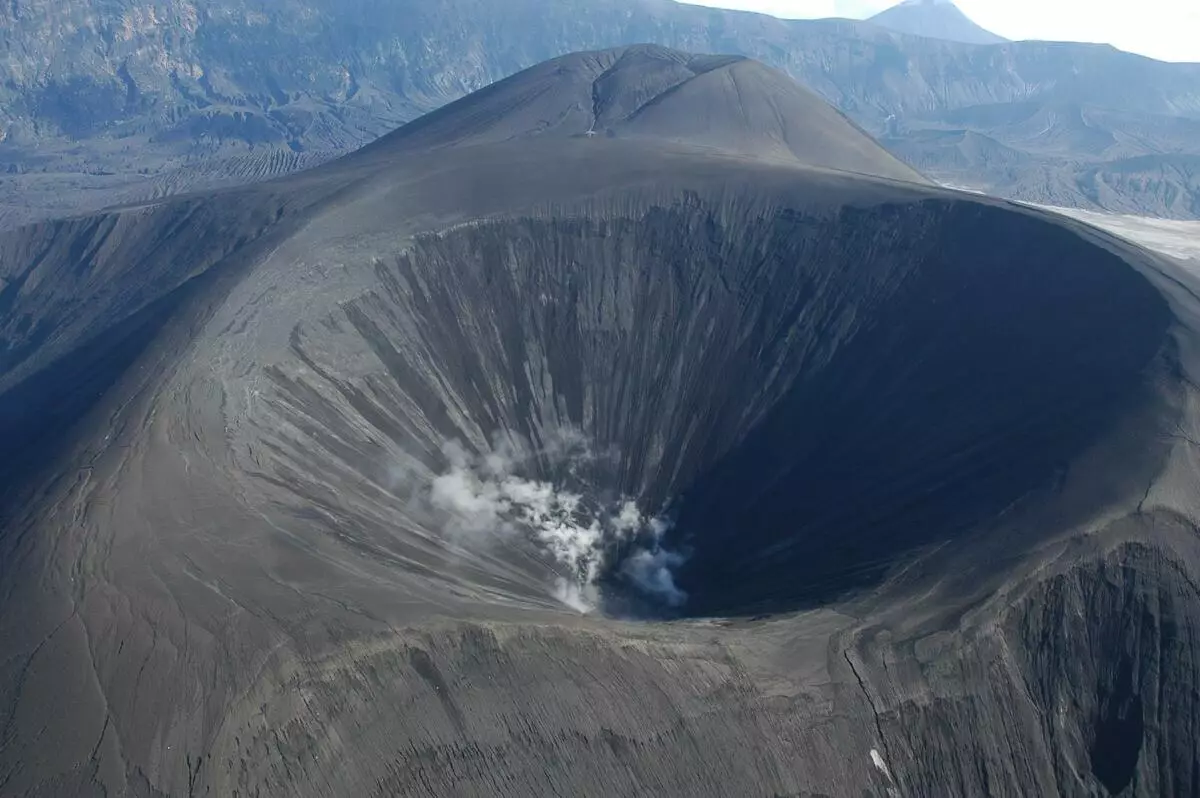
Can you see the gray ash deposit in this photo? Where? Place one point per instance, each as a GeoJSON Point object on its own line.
{"type": "Point", "coordinates": [634, 426]}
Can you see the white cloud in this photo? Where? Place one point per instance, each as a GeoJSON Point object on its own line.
{"type": "Point", "coordinates": [1165, 29]}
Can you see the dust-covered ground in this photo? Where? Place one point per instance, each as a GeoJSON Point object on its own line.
{"type": "Point", "coordinates": [593, 437]}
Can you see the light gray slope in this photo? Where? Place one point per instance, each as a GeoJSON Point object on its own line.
{"type": "Point", "coordinates": [935, 19]}
{"type": "Point", "coordinates": [1179, 240]}
{"type": "Point", "coordinates": [725, 103]}
{"type": "Point", "coordinates": [103, 106]}
{"type": "Point", "coordinates": [945, 440]}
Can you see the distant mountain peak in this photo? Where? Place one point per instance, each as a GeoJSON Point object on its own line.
{"type": "Point", "coordinates": [934, 19]}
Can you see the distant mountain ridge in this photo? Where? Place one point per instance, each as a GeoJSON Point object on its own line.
{"type": "Point", "coordinates": [935, 19]}
{"type": "Point", "coordinates": [142, 98]}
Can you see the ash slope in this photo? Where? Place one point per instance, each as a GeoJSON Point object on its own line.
{"type": "Point", "coordinates": [946, 442]}
{"type": "Point", "coordinates": [727, 103]}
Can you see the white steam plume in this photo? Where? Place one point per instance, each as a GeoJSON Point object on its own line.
{"type": "Point", "coordinates": [486, 494]}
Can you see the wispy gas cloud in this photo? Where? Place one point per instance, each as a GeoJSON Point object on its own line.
{"type": "Point", "coordinates": [491, 494]}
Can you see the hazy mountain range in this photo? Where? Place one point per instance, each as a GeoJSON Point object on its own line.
{"type": "Point", "coordinates": [138, 98]}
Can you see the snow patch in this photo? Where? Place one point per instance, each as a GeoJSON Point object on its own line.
{"type": "Point", "coordinates": [880, 765]}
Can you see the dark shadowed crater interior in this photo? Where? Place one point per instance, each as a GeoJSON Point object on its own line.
{"type": "Point", "coordinates": [808, 396]}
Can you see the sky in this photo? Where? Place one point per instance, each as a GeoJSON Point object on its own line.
{"type": "Point", "coordinates": [1165, 29]}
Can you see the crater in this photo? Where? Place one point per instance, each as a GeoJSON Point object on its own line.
{"type": "Point", "coordinates": [805, 398]}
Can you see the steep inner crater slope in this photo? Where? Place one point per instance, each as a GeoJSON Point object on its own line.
{"type": "Point", "coordinates": [781, 404]}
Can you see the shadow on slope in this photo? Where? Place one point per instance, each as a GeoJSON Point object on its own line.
{"type": "Point", "coordinates": [810, 397]}
{"type": "Point", "coordinates": [1009, 348]}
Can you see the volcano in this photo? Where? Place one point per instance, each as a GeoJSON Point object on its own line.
{"type": "Point", "coordinates": [635, 425]}
{"type": "Point", "coordinates": [935, 19]}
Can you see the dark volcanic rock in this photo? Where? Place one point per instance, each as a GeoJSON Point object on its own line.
{"type": "Point", "coordinates": [311, 481]}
